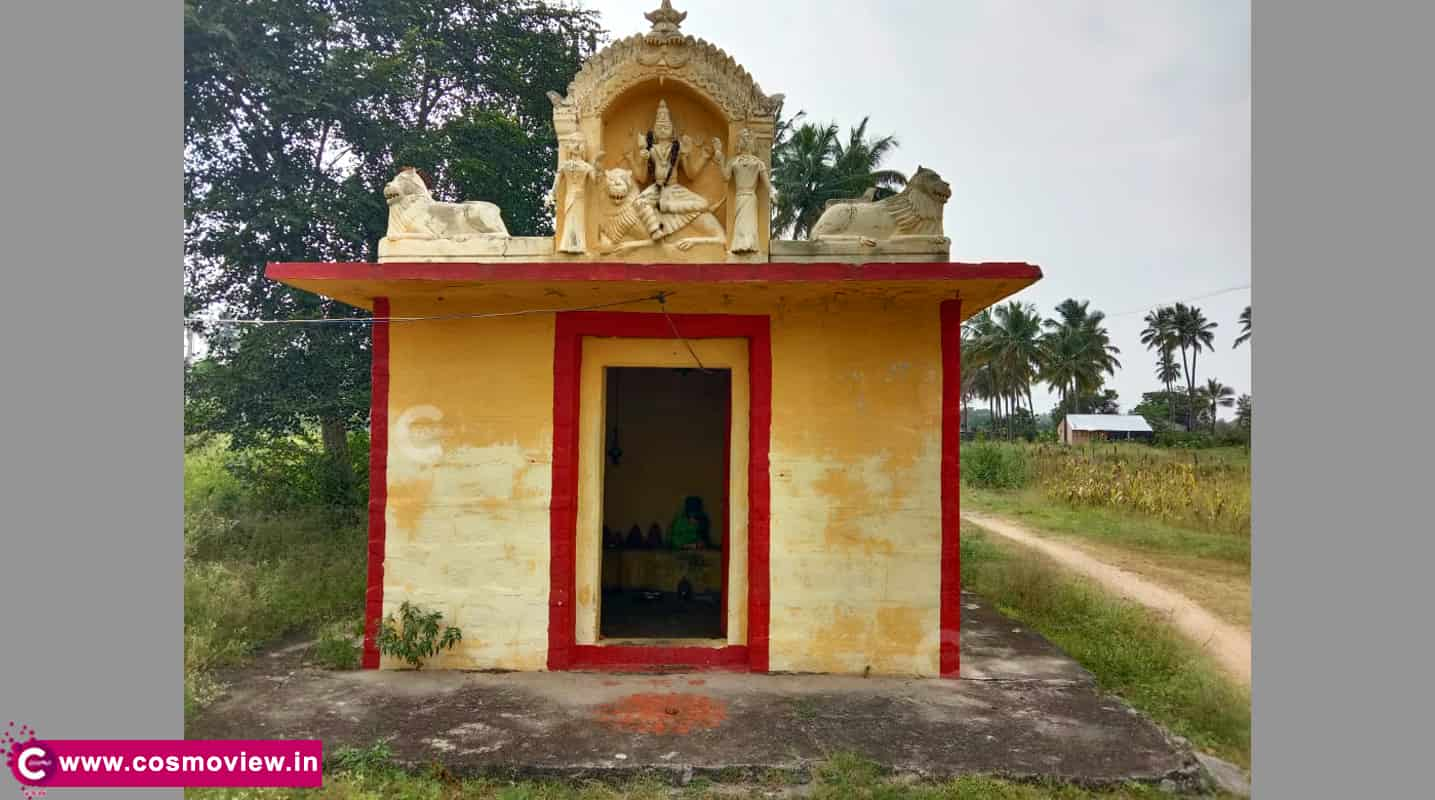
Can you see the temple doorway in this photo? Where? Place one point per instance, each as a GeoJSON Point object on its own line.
{"type": "Point", "coordinates": [665, 503]}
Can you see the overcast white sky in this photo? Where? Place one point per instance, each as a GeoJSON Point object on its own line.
{"type": "Point", "coordinates": [1108, 142]}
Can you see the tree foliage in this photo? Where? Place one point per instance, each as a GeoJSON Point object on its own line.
{"type": "Point", "coordinates": [1165, 411]}
{"type": "Point", "coordinates": [296, 113]}
{"type": "Point", "coordinates": [1002, 352]}
{"type": "Point", "coordinates": [1243, 412]}
{"type": "Point", "coordinates": [1008, 348]}
{"type": "Point", "coordinates": [1245, 322]}
{"type": "Point", "coordinates": [1077, 354]}
{"type": "Point", "coordinates": [811, 165]}
{"type": "Point", "coordinates": [1185, 329]}
{"type": "Point", "coordinates": [1213, 397]}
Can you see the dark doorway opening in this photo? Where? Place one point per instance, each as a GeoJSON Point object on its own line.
{"type": "Point", "coordinates": [665, 498]}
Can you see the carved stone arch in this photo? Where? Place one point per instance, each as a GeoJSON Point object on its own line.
{"type": "Point", "coordinates": [667, 85]}
{"type": "Point", "coordinates": [697, 63]}
{"type": "Point", "coordinates": [694, 111]}
{"type": "Point", "coordinates": [614, 98]}
{"type": "Point", "coordinates": [695, 115]}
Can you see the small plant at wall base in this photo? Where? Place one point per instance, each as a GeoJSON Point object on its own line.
{"type": "Point", "coordinates": [415, 636]}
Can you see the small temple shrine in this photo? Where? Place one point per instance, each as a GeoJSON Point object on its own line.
{"type": "Point", "coordinates": [659, 438]}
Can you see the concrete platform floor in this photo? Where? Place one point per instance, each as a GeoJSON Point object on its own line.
{"type": "Point", "coordinates": [1022, 710]}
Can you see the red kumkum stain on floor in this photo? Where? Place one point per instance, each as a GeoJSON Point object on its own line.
{"type": "Point", "coordinates": [664, 713]}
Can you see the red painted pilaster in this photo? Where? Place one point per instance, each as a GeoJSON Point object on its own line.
{"type": "Point", "coordinates": [563, 507]}
{"type": "Point", "coordinates": [759, 494]}
{"type": "Point", "coordinates": [951, 564]}
{"type": "Point", "coordinates": [378, 480]}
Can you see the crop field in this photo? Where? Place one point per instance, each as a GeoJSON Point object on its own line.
{"type": "Point", "coordinates": [1205, 490]}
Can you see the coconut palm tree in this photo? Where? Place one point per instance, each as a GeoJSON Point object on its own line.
{"type": "Point", "coordinates": [1245, 336]}
{"type": "Point", "coordinates": [1008, 341]}
{"type": "Point", "coordinates": [802, 177]}
{"type": "Point", "coordinates": [858, 163]}
{"type": "Point", "coordinates": [1160, 335]}
{"type": "Point", "coordinates": [1194, 333]}
{"type": "Point", "coordinates": [781, 134]}
{"type": "Point", "coordinates": [1005, 349]}
{"type": "Point", "coordinates": [969, 373]}
{"type": "Point", "coordinates": [976, 361]}
{"type": "Point", "coordinates": [782, 129]}
{"type": "Point", "coordinates": [1062, 366]}
{"type": "Point", "coordinates": [1076, 352]}
{"type": "Point", "coordinates": [984, 388]}
{"type": "Point", "coordinates": [1215, 395]}
{"type": "Point", "coordinates": [811, 165]}
{"type": "Point", "coordinates": [1160, 330]}
{"type": "Point", "coordinates": [1021, 343]}
{"type": "Point", "coordinates": [1168, 372]}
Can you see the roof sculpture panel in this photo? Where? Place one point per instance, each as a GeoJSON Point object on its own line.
{"type": "Point", "coordinates": [665, 156]}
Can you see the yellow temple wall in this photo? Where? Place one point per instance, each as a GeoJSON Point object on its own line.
{"type": "Point", "coordinates": [469, 478]}
{"type": "Point", "coordinates": [855, 483]}
{"type": "Point", "coordinates": [855, 464]}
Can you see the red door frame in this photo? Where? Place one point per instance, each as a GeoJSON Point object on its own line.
{"type": "Point", "coordinates": [563, 651]}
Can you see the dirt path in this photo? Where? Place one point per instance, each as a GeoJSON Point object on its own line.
{"type": "Point", "coordinates": [1230, 644]}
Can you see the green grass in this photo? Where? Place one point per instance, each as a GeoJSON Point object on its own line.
{"type": "Point", "coordinates": [338, 645]}
{"type": "Point", "coordinates": [1131, 651]}
{"type": "Point", "coordinates": [995, 466]}
{"type": "Point", "coordinates": [804, 708]}
{"type": "Point", "coordinates": [208, 484]}
{"type": "Point", "coordinates": [369, 774]}
{"type": "Point", "coordinates": [252, 579]}
{"type": "Point", "coordinates": [1120, 528]}
{"type": "Point", "coordinates": [252, 576]}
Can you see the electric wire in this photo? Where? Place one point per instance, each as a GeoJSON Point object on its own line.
{"type": "Point", "coordinates": [425, 318]}
{"type": "Point", "coordinates": [659, 297]}
{"type": "Point", "coordinates": [673, 325]}
{"type": "Point", "coordinates": [1216, 293]}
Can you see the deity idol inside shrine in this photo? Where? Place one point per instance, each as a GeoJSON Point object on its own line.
{"type": "Point", "coordinates": [659, 438]}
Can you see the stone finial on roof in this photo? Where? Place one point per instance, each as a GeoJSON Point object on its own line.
{"type": "Point", "coordinates": [667, 22]}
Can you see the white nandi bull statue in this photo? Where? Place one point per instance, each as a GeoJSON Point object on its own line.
{"type": "Point", "coordinates": [914, 211]}
{"type": "Point", "coordinates": [414, 214]}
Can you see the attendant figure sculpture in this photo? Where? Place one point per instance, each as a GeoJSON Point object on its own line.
{"type": "Point", "coordinates": [746, 171]}
{"type": "Point", "coordinates": [574, 173]}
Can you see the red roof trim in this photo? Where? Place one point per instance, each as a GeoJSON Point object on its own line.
{"type": "Point", "coordinates": [557, 271]}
